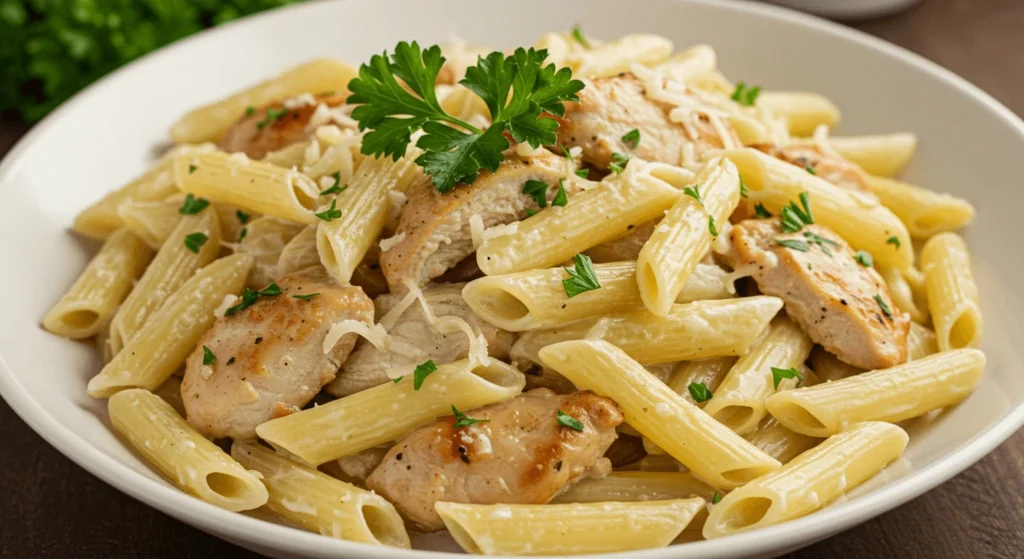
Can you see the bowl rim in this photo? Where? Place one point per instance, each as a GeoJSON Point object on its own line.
{"type": "Point", "coordinates": [247, 530]}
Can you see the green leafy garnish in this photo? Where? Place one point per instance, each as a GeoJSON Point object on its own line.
{"type": "Point", "coordinates": [814, 238]}
{"type": "Point", "coordinates": [582, 173]}
{"type": "Point", "coordinates": [397, 380]}
{"type": "Point", "coordinates": [421, 372]}
{"type": "Point", "coordinates": [761, 212]}
{"type": "Point", "coordinates": [249, 297]}
{"type": "Point", "coordinates": [193, 205]}
{"type": "Point", "coordinates": [271, 290]}
{"type": "Point", "coordinates": [243, 217]}
{"type": "Point", "coordinates": [716, 498]}
{"type": "Point", "coordinates": [569, 421]}
{"type": "Point", "coordinates": [305, 297]}
{"type": "Point", "coordinates": [331, 213]}
{"type": "Point", "coordinates": [794, 244]}
{"type": "Point", "coordinates": [192, 169]}
{"type": "Point", "coordinates": [632, 138]}
{"type": "Point", "coordinates": [711, 226]}
{"type": "Point", "coordinates": [517, 89]}
{"type": "Point", "coordinates": [864, 258]}
{"type": "Point", "coordinates": [463, 420]}
{"type": "Point", "coordinates": [538, 190]}
{"type": "Point", "coordinates": [577, 34]}
{"type": "Point", "coordinates": [582, 279]}
{"type": "Point", "coordinates": [618, 163]}
{"type": "Point", "coordinates": [745, 95]}
{"type": "Point", "coordinates": [271, 117]}
{"type": "Point", "coordinates": [882, 305]}
{"type": "Point", "coordinates": [794, 218]}
{"type": "Point", "coordinates": [894, 240]}
{"type": "Point", "coordinates": [779, 374]}
{"type": "Point", "coordinates": [694, 192]}
{"type": "Point", "coordinates": [565, 152]}
{"type": "Point", "coordinates": [250, 110]}
{"type": "Point", "coordinates": [242, 234]}
{"type": "Point", "coordinates": [195, 241]}
{"type": "Point", "coordinates": [529, 212]}
{"type": "Point", "coordinates": [699, 391]}
{"type": "Point", "coordinates": [335, 188]}
{"type": "Point", "coordinates": [810, 170]}
{"type": "Point", "coordinates": [744, 193]}
{"type": "Point", "coordinates": [208, 356]}
{"type": "Point", "coordinates": [560, 198]}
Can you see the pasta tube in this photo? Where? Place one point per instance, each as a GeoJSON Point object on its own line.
{"type": "Point", "coordinates": [684, 236]}
{"type": "Point", "coordinates": [859, 219]}
{"type": "Point", "coordinates": [320, 503]}
{"type": "Point", "coordinates": [299, 253]}
{"type": "Point", "coordinates": [901, 392]}
{"type": "Point", "coordinates": [192, 463]}
{"type": "Point", "coordinates": [739, 401]}
{"type": "Point", "coordinates": [171, 333]}
{"type": "Point", "coordinates": [90, 302]}
{"type": "Point", "coordinates": [921, 342]}
{"type": "Point", "coordinates": [884, 155]}
{"type": "Point", "coordinates": [536, 299]}
{"type": "Point", "coordinates": [692, 331]}
{"type": "Point", "coordinates": [569, 529]}
{"type": "Point", "coordinates": [641, 193]}
{"type": "Point", "coordinates": [695, 60]}
{"type": "Point", "coordinates": [810, 481]}
{"type": "Point", "coordinates": [803, 111]}
{"type": "Point", "coordinates": [776, 440]}
{"type": "Point", "coordinates": [386, 412]}
{"type": "Point", "coordinates": [925, 212]}
{"type": "Point", "coordinates": [713, 452]}
{"type": "Point", "coordinates": [150, 221]}
{"type": "Point", "coordinates": [903, 294]}
{"type": "Point", "coordinates": [636, 486]}
{"type": "Point", "coordinates": [952, 293]}
{"type": "Point", "coordinates": [709, 372]}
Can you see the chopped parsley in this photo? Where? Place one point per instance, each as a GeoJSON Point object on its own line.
{"type": "Point", "coordinates": [560, 198]}
{"type": "Point", "coordinates": [335, 188]}
{"type": "Point", "coordinates": [193, 205]}
{"type": "Point", "coordinates": [421, 372]}
{"type": "Point", "coordinates": [743, 189]}
{"type": "Point", "coordinates": [208, 356]}
{"type": "Point", "coordinates": [810, 170]}
{"type": "Point", "coordinates": [577, 34]}
{"type": "Point", "coordinates": [529, 212]}
{"type": "Point", "coordinates": [816, 239]}
{"type": "Point", "coordinates": [271, 290]}
{"type": "Point", "coordinates": [192, 169]}
{"type": "Point", "coordinates": [882, 305]}
{"type": "Point", "coordinates": [242, 234]}
{"type": "Point", "coordinates": [271, 117]}
{"type": "Point", "coordinates": [397, 380]}
{"type": "Point", "coordinates": [794, 244]}
{"type": "Point", "coordinates": [331, 213]}
{"type": "Point", "coordinates": [746, 95]}
{"type": "Point", "coordinates": [700, 392]}
{"type": "Point", "coordinates": [864, 258]}
{"type": "Point", "coordinates": [582, 279]}
{"type": "Point", "coordinates": [566, 420]}
{"type": "Point", "coordinates": [243, 217]}
{"type": "Point", "coordinates": [518, 90]}
{"type": "Point", "coordinates": [250, 110]}
{"type": "Point", "coordinates": [894, 240]}
{"type": "Point", "coordinates": [694, 192]}
{"type": "Point", "coordinates": [779, 374]}
{"type": "Point", "coordinates": [632, 138]}
{"type": "Point", "coordinates": [463, 420]}
{"type": "Point", "coordinates": [305, 297]}
{"type": "Point", "coordinates": [716, 498]}
{"type": "Point", "coordinates": [538, 190]}
{"type": "Point", "coordinates": [794, 218]}
{"type": "Point", "coordinates": [618, 163]}
{"type": "Point", "coordinates": [249, 297]}
{"type": "Point", "coordinates": [711, 226]}
{"type": "Point", "coordinates": [565, 152]}
{"type": "Point", "coordinates": [195, 241]}
{"type": "Point", "coordinates": [582, 173]}
{"type": "Point", "coordinates": [761, 212]}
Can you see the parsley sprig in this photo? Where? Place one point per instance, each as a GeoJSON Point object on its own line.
{"type": "Point", "coordinates": [779, 374]}
{"type": "Point", "coordinates": [746, 95]}
{"type": "Point", "coordinates": [569, 421]}
{"type": "Point", "coordinates": [463, 420]}
{"type": "Point", "coordinates": [794, 217]}
{"type": "Point", "coordinates": [517, 90]}
{"type": "Point", "coordinates": [582, 279]}
{"type": "Point", "coordinates": [700, 392]}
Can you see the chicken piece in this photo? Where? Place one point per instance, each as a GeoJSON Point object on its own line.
{"type": "Point", "coordinates": [414, 340]}
{"type": "Point", "coordinates": [434, 228]}
{"type": "Point", "coordinates": [841, 304]}
{"type": "Point", "coordinates": [611, 107]}
{"type": "Point", "coordinates": [833, 168]}
{"type": "Point", "coordinates": [269, 358]}
{"type": "Point", "coordinates": [521, 455]}
{"type": "Point", "coordinates": [273, 127]}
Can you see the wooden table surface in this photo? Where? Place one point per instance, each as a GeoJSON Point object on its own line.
{"type": "Point", "coordinates": [49, 507]}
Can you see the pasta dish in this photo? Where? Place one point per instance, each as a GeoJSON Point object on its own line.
{"type": "Point", "coordinates": [579, 297]}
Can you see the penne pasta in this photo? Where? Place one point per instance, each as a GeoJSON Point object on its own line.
{"type": "Point", "coordinates": [901, 392]}
{"type": "Point", "coordinates": [803, 111]}
{"type": "Point", "coordinates": [265, 239]}
{"type": "Point", "coordinates": [599, 60]}
{"type": "Point", "coordinates": [171, 333]}
{"type": "Point", "coordinates": [810, 481]}
{"type": "Point", "coordinates": [208, 123]}
{"type": "Point", "coordinates": [567, 529]}
{"type": "Point", "coordinates": [952, 293]}
{"type": "Point", "coordinates": [709, 372]}
{"type": "Point", "coordinates": [713, 452]}
{"type": "Point", "coordinates": [636, 486]}
{"type": "Point", "coordinates": [537, 299]}
{"type": "Point", "coordinates": [903, 294]}
{"type": "Point", "coordinates": [921, 342]}
{"type": "Point", "coordinates": [925, 212]}
{"type": "Point", "coordinates": [189, 461]}
{"type": "Point", "coordinates": [641, 193]}
{"type": "Point", "coordinates": [861, 220]}
{"type": "Point", "coordinates": [692, 331]}
{"type": "Point", "coordinates": [684, 235]}
{"type": "Point", "coordinates": [299, 253]}
{"type": "Point", "coordinates": [374, 416]}
{"type": "Point", "coordinates": [691, 62]}
{"type": "Point", "coordinates": [319, 503]}
{"type": "Point", "coordinates": [89, 303]}
{"type": "Point", "coordinates": [776, 440]}
{"type": "Point", "coordinates": [885, 155]}
{"type": "Point", "coordinates": [150, 221]}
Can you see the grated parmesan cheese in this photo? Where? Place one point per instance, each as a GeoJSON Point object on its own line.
{"type": "Point", "coordinates": [398, 200]}
{"type": "Point", "coordinates": [452, 324]}
{"type": "Point", "coordinates": [391, 242]}
{"type": "Point", "coordinates": [299, 101]}
{"type": "Point", "coordinates": [476, 230]}
{"type": "Point", "coordinates": [375, 334]}
{"type": "Point", "coordinates": [501, 230]}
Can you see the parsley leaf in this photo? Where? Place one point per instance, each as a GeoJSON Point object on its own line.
{"type": "Point", "coordinates": [529, 212]}
{"type": "Point", "coordinates": [794, 218]}
{"type": "Point", "coordinates": [242, 234]}
{"type": "Point", "coordinates": [810, 170]}
{"type": "Point", "coordinates": [560, 198]}
{"type": "Point", "coordinates": [193, 205]}
{"type": "Point", "coordinates": [243, 217]}
{"type": "Point", "coordinates": [208, 356]}
{"type": "Point", "coordinates": [565, 152]}
{"type": "Point", "coordinates": [538, 190]}
{"type": "Point", "coordinates": [250, 110]}
{"type": "Point", "coordinates": [192, 169]}
{"type": "Point", "coordinates": [745, 95]}
{"type": "Point", "coordinates": [711, 226]}
{"type": "Point", "coordinates": [761, 211]}
{"type": "Point", "coordinates": [864, 258]}
{"type": "Point", "coordinates": [249, 297]}
{"type": "Point", "coordinates": [882, 305]}
{"type": "Point", "coordinates": [271, 290]}
{"type": "Point", "coordinates": [618, 163]}
{"type": "Point", "coordinates": [632, 138]}
{"type": "Point", "coordinates": [716, 498]}
{"type": "Point", "coordinates": [577, 34]}
{"type": "Point", "coordinates": [582, 279]}
{"type": "Point", "coordinates": [421, 372]}
{"type": "Point", "coordinates": [894, 240]}
{"type": "Point", "coordinates": [397, 380]}
{"type": "Point", "coordinates": [569, 421]}
{"type": "Point", "coordinates": [820, 241]}
{"type": "Point", "coordinates": [517, 89]}
{"type": "Point", "coordinates": [463, 420]}
{"type": "Point", "coordinates": [272, 116]}
{"type": "Point", "coordinates": [335, 188]}
{"type": "Point", "coordinates": [699, 391]}
{"type": "Point", "coordinates": [779, 374]}
{"type": "Point", "coordinates": [331, 213]}
{"type": "Point", "coordinates": [694, 192]}
{"type": "Point", "coordinates": [305, 297]}
{"type": "Point", "coordinates": [794, 244]}
{"type": "Point", "coordinates": [743, 189]}
{"type": "Point", "coordinates": [195, 241]}
{"type": "Point", "coordinates": [582, 173]}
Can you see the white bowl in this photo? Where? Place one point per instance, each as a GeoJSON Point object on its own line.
{"type": "Point", "coordinates": [970, 146]}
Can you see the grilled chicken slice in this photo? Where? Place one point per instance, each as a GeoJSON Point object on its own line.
{"type": "Point", "coordinates": [434, 228]}
{"type": "Point", "coordinates": [414, 340]}
{"type": "Point", "coordinates": [842, 305]}
{"type": "Point", "coordinates": [521, 455]}
{"type": "Point", "coordinates": [269, 358]}
{"type": "Point", "coordinates": [611, 107]}
{"type": "Point", "coordinates": [833, 168]}
{"type": "Point", "coordinates": [269, 129]}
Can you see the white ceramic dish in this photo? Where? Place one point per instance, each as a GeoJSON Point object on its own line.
{"type": "Point", "coordinates": [970, 146]}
